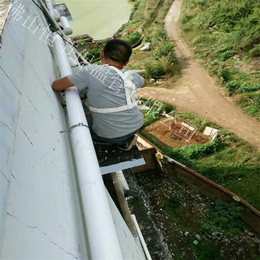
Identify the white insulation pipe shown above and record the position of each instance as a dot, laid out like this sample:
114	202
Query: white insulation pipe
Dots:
102	235
66	25
101	231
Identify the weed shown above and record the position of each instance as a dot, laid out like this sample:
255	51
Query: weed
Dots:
227	160
255	52
218	31
206	252
132	37
164	49
223	218
194	151
250	102
154	70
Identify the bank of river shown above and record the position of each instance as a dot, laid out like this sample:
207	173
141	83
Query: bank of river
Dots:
100	19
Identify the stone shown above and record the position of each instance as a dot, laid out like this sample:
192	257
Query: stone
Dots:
195	242
198	237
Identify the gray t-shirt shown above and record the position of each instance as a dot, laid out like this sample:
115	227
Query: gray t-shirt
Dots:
105	89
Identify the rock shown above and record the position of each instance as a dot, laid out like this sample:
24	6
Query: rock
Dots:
198	237
236	198
147	47
237	64
195	242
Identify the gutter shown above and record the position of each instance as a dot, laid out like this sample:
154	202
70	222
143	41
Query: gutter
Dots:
101	231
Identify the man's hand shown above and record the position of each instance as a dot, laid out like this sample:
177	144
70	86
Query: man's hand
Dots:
61	84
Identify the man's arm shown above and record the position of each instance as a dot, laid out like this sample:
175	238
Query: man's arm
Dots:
61	84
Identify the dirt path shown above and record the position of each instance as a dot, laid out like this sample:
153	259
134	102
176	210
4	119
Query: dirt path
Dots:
196	92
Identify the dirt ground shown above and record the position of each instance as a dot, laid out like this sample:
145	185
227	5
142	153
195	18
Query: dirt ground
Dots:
198	93
174	134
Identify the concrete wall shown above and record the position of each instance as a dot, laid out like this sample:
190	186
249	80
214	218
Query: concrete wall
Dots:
40	216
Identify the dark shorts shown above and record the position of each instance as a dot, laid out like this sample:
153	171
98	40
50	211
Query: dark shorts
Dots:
117	141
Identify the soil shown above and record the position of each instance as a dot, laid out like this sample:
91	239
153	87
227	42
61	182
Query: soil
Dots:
175	134
196	92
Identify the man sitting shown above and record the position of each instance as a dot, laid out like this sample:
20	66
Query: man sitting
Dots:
110	91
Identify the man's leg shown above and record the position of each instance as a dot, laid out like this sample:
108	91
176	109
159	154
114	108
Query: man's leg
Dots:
128	144
117	141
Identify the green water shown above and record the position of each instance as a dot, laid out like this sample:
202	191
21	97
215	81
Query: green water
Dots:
98	18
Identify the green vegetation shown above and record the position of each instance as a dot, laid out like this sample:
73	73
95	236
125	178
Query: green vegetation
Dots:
132	37
148	19
250	103
93	54
207	252
226	38
227	160
223	217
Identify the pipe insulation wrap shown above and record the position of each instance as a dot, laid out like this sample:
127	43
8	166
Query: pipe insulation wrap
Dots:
66	25
101	231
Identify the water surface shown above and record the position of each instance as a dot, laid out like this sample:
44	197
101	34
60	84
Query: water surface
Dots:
98	18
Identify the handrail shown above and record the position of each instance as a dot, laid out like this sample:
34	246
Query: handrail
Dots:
101	231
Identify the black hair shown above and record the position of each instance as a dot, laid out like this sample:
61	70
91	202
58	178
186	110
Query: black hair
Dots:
118	50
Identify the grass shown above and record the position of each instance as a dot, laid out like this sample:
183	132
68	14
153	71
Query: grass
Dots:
226	39
147	19
250	102
228	160
184	216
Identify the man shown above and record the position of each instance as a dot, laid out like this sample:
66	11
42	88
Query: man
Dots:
110	91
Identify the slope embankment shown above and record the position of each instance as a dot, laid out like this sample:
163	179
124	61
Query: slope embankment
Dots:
198	93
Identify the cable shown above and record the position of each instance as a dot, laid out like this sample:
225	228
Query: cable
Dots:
53	27
37	5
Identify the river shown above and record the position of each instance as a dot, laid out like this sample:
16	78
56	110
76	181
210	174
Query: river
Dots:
98	18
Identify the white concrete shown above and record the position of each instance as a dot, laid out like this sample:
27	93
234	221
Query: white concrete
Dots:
210	132
131	247
40	216
41	211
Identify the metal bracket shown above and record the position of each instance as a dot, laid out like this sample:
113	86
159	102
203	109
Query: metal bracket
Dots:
69	130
